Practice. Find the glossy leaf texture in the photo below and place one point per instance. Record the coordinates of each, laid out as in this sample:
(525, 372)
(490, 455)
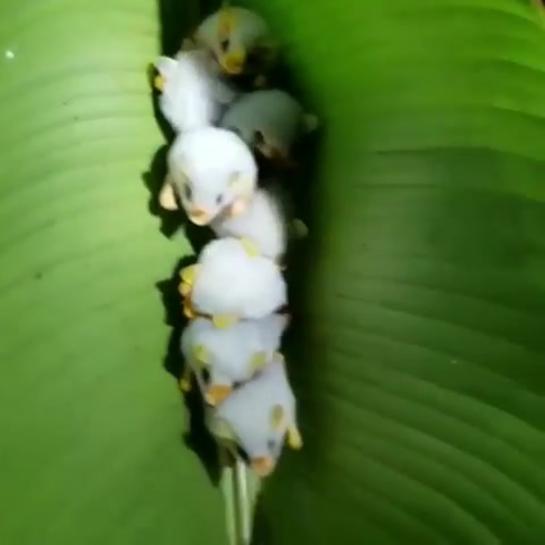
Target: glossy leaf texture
(419, 353)
(91, 447)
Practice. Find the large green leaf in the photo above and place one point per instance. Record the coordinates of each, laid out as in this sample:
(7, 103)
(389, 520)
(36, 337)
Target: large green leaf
(92, 448)
(420, 356)
(419, 344)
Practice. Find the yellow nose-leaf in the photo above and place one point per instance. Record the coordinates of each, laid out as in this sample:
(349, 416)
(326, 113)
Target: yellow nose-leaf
(217, 394)
(263, 466)
(233, 63)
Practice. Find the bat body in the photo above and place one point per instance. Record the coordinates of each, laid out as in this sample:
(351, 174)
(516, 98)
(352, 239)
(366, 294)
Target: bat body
(223, 357)
(230, 282)
(259, 416)
(270, 121)
(262, 221)
(192, 95)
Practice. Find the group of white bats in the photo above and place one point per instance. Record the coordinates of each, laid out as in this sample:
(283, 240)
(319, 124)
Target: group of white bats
(235, 294)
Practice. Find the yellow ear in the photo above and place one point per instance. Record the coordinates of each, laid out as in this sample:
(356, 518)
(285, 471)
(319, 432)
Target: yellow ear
(188, 274)
(294, 439)
(201, 355)
(184, 289)
(250, 247)
(224, 321)
(259, 360)
(159, 83)
(167, 197)
(277, 417)
(226, 22)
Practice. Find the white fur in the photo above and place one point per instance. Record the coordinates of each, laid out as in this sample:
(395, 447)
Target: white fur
(230, 282)
(263, 222)
(192, 95)
(247, 412)
(277, 115)
(215, 163)
(230, 351)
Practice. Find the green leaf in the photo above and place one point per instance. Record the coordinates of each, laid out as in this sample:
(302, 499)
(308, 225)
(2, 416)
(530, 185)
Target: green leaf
(419, 351)
(418, 344)
(91, 449)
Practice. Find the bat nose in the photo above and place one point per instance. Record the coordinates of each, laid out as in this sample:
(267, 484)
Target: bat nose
(217, 393)
(198, 216)
(263, 466)
(233, 63)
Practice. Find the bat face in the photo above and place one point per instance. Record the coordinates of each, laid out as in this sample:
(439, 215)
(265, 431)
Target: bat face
(230, 49)
(210, 170)
(237, 283)
(234, 35)
(269, 121)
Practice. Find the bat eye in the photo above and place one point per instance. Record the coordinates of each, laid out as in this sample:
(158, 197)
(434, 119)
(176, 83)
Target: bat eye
(224, 45)
(188, 193)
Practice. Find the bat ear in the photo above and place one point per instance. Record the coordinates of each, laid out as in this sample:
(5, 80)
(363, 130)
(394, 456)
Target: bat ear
(167, 197)
(226, 22)
(165, 65)
(258, 360)
(201, 355)
(294, 439)
(277, 417)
